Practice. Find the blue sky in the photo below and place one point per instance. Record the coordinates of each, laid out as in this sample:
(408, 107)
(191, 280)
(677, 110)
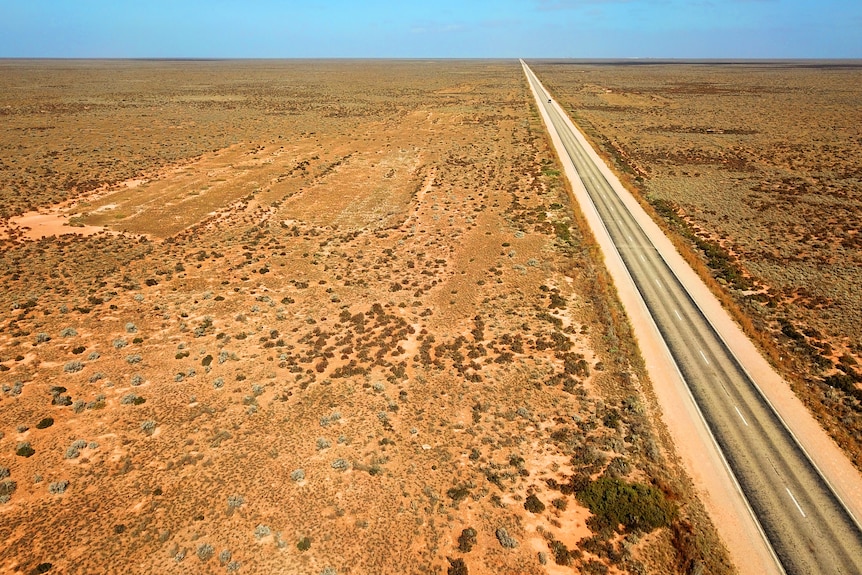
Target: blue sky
(432, 29)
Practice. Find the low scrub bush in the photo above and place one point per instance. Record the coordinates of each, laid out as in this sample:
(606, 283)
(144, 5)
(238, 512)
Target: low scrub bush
(533, 504)
(634, 506)
(45, 423)
(73, 367)
(467, 540)
(58, 487)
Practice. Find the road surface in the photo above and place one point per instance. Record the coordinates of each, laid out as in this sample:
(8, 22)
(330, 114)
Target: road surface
(807, 526)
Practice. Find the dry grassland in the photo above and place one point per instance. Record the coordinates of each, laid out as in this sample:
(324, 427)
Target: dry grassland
(337, 318)
(757, 169)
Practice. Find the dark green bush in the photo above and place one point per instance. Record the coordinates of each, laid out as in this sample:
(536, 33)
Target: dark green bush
(456, 567)
(562, 554)
(593, 567)
(45, 423)
(458, 493)
(466, 540)
(24, 449)
(7, 488)
(634, 506)
(533, 504)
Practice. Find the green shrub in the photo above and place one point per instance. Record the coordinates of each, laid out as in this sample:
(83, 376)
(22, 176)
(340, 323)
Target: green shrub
(73, 367)
(533, 504)
(634, 506)
(132, 399)
(45, 423)
(562, 554)
(456, 494)
(74, 450)
(205, 551)
(467, 540)
(456, 567)
(7, 488)
(58, 487)
(506, 540)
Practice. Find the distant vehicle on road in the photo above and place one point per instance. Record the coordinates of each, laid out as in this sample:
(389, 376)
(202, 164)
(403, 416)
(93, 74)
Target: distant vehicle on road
(549, 100)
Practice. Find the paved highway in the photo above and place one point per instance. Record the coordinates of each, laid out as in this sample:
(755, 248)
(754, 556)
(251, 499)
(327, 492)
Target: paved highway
(807, 526)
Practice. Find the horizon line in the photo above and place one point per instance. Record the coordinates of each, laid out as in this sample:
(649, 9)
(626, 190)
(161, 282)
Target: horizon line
(652, 59)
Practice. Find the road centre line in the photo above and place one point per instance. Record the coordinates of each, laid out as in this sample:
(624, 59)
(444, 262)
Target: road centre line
(703, 355)
(739, 413)
(795, 502)
(679, 317)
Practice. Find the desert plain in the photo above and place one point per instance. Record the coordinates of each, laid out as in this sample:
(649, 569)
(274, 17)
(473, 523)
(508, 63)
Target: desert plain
(342, 317)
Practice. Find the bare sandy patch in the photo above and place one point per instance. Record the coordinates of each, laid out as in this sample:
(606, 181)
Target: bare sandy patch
(38, 225)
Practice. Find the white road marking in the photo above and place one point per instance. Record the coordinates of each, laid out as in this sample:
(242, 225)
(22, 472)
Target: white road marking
(795, 502)
(643, 259)
(706, 361)
(739, 413)
(679, 317)
(658, 283)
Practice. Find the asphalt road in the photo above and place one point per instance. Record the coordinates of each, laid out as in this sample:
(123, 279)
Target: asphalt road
(807, 526)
